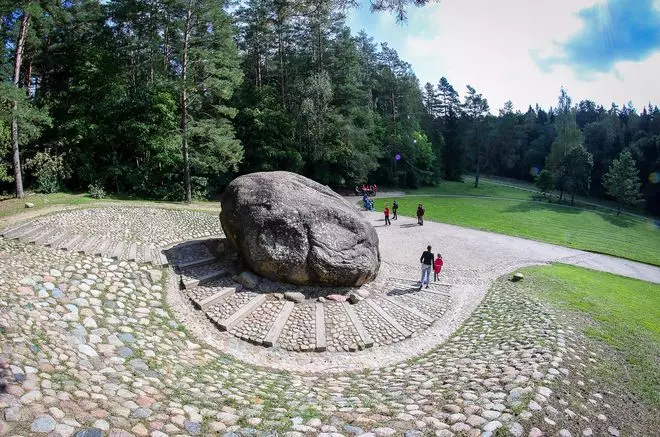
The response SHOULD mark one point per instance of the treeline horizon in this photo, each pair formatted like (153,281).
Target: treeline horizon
(171,100)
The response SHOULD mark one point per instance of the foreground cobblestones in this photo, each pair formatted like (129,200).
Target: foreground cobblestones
(89,347)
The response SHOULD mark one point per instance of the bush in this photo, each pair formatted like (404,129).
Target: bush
(49,170)
(545,181)
(96,191)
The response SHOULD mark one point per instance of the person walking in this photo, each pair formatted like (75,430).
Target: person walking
(387,215)
(437,267)
(420,214)
(395,208)
(427,264)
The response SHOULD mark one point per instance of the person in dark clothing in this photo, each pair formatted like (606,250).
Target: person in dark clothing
(395,208)
(420,214)
(427,264)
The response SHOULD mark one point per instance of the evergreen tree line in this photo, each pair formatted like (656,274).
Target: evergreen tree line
(171,99)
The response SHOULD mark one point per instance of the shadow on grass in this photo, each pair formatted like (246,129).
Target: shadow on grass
(618,220)
(536,206)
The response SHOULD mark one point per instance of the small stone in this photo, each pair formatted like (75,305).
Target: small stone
(336,297)
(248,279)
(587,432)
(43,424)
(29,205)
(193,428)
(87,350)
(294,296)
(354,298)
(384,432)
(564,433)
(613,431)
(140,430)
(89,432)
(13,414)
(516,429)
(517,277)
(492,426)
(535,432)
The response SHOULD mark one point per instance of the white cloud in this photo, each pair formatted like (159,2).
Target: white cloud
(492,45)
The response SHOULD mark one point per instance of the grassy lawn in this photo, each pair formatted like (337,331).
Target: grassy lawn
(10,205)
(597,231)
(450,188)
(625,314)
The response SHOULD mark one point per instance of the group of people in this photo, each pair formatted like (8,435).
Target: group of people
(395,208)
(430,262)
(367,190)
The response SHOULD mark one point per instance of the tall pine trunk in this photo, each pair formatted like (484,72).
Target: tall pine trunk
(478,144)
(18,59)
(184,107)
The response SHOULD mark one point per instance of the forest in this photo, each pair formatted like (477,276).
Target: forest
(171,99)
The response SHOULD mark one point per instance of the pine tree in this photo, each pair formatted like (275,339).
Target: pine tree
(622,181)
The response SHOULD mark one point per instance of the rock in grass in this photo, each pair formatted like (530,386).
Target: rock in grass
(29,205)
(517,277)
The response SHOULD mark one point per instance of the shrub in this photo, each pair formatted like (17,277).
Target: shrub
(96,191)
(49,170)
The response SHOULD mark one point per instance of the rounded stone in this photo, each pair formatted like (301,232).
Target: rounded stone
(43,425)
(315,237)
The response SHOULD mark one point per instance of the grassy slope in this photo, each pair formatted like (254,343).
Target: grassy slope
(626,316)
(10,205)
(593,230)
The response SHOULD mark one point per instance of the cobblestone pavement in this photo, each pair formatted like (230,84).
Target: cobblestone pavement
(92,346)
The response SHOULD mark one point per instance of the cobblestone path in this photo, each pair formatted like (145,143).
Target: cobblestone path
(91,346)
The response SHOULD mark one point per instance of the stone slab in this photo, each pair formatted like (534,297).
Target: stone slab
(118,250)
(70,245)
(103,247)
(357,323)
(321,342)
(55,240)
(388,317)
(197,262)
(241,313)
(410,309)
(89,245)
(32,234)
(278,325)
(41,239)
(223,293)
(132,252)
(192,283)
(15,231)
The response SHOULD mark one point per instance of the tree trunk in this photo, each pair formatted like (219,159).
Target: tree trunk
(28,76)
(184,107)
(572,198)
(476,178)
(18,59)
(280,49)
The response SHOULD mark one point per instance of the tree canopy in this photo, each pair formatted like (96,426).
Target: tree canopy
(172,99)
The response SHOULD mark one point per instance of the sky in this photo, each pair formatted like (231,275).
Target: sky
(526,50)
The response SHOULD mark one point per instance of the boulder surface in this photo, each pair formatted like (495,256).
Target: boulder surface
(289,228)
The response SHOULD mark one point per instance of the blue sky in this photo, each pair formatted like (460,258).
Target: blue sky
(525,50)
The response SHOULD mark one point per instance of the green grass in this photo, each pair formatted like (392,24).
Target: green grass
(625,314)
(486,189)
(10,205)
(598,231)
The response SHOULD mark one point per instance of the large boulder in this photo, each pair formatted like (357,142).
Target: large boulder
(289,228)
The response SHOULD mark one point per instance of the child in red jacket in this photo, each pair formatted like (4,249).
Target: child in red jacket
(437,267)
(387,215)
